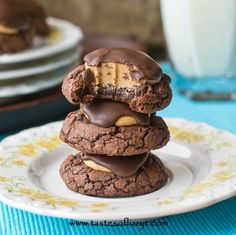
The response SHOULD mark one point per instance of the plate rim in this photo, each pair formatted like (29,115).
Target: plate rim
(109,215)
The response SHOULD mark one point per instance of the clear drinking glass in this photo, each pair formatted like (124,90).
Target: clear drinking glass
(201,42)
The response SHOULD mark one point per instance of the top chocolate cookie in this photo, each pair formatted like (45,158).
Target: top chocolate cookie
(119,74)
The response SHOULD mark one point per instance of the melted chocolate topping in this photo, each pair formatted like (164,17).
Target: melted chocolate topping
(147,67)
(122,166)
(105,113)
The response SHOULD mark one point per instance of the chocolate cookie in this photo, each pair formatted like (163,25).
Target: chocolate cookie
(37,17)
(17,42)
(119,74)
(16,33)
(79,133)
(82,179)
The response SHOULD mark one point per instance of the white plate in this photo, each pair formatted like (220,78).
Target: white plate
(33,84)
(63,36)
(44,68)
(201,158)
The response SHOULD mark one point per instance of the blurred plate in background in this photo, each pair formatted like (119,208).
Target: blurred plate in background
(44,65)
(34,84)
(63,36)
(43,68)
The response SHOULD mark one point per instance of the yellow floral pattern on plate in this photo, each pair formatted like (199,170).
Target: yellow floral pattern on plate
(15,185)
(185,135)
(31,150)
(226,171)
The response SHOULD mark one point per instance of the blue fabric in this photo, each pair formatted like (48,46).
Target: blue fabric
(217,219)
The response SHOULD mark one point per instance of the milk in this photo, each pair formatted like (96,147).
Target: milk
(201,36)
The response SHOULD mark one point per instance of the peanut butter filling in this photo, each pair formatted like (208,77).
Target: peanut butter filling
(126,121)
(8,30)
(116,74)
(95,166)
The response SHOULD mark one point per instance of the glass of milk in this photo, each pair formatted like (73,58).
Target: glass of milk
(201,42)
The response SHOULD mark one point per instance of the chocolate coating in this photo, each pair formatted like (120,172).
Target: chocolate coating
(122,166)
(105,113)
(147,67)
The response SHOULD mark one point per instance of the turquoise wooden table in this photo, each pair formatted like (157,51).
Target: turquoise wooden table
(217,219)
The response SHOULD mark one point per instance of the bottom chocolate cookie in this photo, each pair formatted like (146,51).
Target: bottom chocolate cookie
(82,179)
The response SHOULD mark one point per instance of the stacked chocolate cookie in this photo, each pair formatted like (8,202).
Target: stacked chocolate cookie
(115,128)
